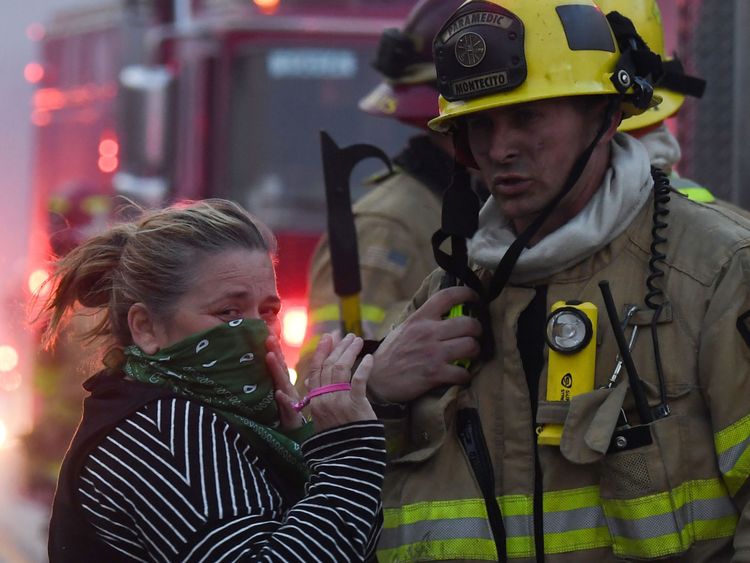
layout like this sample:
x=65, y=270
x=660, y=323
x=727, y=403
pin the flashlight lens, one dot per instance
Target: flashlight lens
x=568, y=330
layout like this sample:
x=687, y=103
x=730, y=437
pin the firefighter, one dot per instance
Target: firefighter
x=650, y=127
x=580, y=255
x=397, y=217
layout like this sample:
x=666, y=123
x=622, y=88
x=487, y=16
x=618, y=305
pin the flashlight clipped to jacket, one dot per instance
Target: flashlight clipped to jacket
x=571, y=337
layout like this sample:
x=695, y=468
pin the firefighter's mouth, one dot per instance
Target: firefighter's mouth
x=513, y=184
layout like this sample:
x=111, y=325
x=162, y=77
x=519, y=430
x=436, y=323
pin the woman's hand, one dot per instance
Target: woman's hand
x=331, y=364
x=285, y=393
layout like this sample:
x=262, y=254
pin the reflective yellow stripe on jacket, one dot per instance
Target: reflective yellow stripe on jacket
x=327, y=318
x=689, y=188
x=669, y=523
x=454, y=529
x=699, y=194
x=733, y=447
x=574, y=520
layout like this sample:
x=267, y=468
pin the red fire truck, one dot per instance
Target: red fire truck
x=165, y=100
x=161, y=100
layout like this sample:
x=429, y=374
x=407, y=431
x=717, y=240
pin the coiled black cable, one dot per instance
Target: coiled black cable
x=655, y=298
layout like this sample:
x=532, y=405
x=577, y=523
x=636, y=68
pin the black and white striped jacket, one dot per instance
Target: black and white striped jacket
x=174, y=482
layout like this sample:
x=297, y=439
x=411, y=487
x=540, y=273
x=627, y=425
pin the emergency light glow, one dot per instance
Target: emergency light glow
x=108, y=151
x=35, y=31
x=108, y=164
x=108, y=147
x=294, y=325
x=3, y=434
x=49, y=99
x=267, y=6
x=10, y=382
x=293, y=375
x=37, y=280
x=33, y=72
x=40, y=118
x=8, y=358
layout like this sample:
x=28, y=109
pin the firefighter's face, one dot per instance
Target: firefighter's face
x=526, y=151
x=227, y=286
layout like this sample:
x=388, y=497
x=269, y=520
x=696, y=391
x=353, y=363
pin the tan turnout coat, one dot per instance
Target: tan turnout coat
x=682, y=498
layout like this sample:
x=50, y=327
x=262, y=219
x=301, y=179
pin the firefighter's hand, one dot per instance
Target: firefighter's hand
x=417, y=355
x=284, y=392
x=332, y=364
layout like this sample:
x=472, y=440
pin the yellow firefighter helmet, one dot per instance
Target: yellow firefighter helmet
x=495, y=53
x=646, y=17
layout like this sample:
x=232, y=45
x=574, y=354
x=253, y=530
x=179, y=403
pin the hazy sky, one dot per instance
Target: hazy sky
x=16, y=131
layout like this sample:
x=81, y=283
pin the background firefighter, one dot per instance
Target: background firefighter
x=397, y=217
x=650, y=127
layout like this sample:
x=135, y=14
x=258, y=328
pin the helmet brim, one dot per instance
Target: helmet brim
x=415, y=104
x=670, y=104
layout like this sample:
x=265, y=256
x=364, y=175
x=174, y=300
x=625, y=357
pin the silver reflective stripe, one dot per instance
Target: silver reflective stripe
x=577, y=519
x=729, y=458
x=663, y=524
x=678, y=182
x=435, y=530
x=518, y=526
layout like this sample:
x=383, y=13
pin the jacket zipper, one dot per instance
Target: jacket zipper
x=530, y=340
x=471, y=436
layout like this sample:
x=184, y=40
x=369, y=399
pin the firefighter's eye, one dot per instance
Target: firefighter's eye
x=524, y=116
x=477, y=124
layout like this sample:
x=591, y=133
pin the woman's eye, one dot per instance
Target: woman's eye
x=230, y=312
x=270, y=313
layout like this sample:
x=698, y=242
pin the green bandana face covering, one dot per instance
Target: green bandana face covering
x=224, y=368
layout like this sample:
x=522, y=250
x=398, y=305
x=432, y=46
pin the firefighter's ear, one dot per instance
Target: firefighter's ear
x=143, y=329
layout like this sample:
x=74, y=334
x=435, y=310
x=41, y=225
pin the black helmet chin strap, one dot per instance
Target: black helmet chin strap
x=638, y=68
x=460, y=222
x=676, y=80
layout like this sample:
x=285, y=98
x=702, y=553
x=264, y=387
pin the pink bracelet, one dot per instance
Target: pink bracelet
x=332, y=388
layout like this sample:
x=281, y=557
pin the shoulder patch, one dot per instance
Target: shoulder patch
x=385, y=259
x=743, y=325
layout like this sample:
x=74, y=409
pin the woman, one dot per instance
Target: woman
x=189, y=446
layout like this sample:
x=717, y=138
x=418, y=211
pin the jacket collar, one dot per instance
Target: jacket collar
x=626, y=187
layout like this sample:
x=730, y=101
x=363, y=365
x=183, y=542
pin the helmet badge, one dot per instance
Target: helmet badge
x=479, y=51
x=470, y=49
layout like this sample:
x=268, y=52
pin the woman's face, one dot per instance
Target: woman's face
x=231, y=285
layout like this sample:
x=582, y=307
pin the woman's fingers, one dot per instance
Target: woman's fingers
x=337, y=367
x=343, y=368
x=334, y=408
x=339, y=349
x=288, y=417
x=274, y=345
x=279, y=373
x=360, y=377
x=324, y=348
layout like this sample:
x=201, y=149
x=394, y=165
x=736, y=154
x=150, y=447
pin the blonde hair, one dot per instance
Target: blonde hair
x=149, y=260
